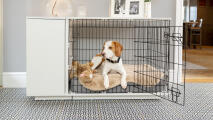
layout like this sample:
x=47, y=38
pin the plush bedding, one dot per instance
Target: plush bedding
x=147, y=75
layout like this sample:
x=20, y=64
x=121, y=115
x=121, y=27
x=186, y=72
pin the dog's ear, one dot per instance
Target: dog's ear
x=118, y=48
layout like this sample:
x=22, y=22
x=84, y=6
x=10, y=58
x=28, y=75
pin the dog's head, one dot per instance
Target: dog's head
x=112, y=49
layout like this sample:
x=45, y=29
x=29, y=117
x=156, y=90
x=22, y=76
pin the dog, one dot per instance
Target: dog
x=111, y=53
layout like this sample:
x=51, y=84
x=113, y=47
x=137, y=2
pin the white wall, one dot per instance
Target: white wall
x=15, y=12
x=164, y=8
x=95, y=8
x=1, y=37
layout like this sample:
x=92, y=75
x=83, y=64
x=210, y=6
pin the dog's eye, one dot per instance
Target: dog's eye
x=110, y=48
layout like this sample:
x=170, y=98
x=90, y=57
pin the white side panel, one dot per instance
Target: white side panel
x=45, y=57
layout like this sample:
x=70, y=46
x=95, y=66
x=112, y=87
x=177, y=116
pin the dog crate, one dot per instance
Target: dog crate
x=152, y=42
x=152, y=50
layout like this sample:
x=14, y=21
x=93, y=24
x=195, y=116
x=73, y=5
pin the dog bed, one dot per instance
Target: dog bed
x=147, y=76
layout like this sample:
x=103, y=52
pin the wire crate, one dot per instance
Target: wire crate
x=152, y=42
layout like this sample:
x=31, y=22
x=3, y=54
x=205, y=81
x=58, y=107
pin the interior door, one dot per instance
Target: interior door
x=162, y=48
x=45, y=57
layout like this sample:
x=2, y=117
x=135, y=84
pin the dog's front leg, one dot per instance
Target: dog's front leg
x=123, y=78
x=106, y=79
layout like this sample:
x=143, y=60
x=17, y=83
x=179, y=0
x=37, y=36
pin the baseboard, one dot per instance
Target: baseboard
x=14, y=79
x=1, y=77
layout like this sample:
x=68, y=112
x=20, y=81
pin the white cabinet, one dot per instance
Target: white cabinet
x=46, y=57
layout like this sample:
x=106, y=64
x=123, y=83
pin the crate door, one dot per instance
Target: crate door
x=158, y=62
x=45, y=57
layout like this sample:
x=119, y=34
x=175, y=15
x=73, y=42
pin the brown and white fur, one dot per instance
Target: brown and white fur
x=112, y=50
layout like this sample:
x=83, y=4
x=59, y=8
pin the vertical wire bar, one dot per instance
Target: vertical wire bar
x=173, y=60
x=162, y=59
x=154, y=61
x=144, y=41
x=117, y=32
x=110, y=37
x=129, y=61
x=98, y=38
x=77, y=51
x=184, y=95
x=159, y=56
x=107, y=38
x=145, y=52
x=138, y=52
x=93, y=39
x=147, y=47
x=83, y=45
x=168, y=46
x=156, y=77
x=134, y=53
x=73, y=50
x=151, y=53
x=153, y=56
x=167, y=54
x=141, y=54
x=138, y=55
x=178, y=62
x=122, y=42
x=89, y=27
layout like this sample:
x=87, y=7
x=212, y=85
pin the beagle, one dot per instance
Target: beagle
x=111, y=53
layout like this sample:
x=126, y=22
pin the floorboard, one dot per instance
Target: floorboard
x=203, y=57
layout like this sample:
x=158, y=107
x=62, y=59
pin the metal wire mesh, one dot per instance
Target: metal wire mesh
x=146, y=42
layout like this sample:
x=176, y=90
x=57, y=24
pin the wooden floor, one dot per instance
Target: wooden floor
x=203, y=57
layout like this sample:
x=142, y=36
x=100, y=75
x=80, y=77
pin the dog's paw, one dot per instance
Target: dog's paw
x=124, y=84
x=106, y=84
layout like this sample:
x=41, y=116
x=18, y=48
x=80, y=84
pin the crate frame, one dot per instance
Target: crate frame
x=172, y=93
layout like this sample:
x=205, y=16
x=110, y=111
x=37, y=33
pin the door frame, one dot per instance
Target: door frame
x=1, y=42
x=179, y=13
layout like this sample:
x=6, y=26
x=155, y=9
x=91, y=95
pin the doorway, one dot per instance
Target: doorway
x=199, y=61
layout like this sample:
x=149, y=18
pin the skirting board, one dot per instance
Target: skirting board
x=1, y=79
x=14, y=79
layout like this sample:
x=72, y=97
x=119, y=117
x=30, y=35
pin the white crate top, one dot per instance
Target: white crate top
x=130, y=18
